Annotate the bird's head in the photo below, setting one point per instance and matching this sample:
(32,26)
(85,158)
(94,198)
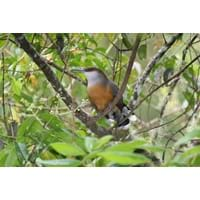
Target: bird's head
(93,74)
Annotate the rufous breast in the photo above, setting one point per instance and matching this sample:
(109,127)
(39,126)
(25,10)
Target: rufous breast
(100,96)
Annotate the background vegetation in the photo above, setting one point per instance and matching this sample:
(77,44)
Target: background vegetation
(45,119)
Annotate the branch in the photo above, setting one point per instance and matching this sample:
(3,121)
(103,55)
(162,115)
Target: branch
(188,46)
(57,86)
(149,67)
(118,48)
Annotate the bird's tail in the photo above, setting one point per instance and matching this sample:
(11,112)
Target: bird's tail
(124,120)
(120,116)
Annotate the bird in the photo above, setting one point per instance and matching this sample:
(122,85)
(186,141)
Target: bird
(101,92)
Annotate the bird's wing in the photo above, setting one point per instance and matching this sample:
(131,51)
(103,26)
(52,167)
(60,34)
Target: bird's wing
(115,90)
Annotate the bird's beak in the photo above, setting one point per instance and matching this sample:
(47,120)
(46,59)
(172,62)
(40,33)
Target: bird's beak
(77,70)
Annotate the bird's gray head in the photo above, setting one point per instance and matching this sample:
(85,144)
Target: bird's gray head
(93,75)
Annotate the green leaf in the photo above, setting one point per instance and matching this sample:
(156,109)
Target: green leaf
(16,86)
(27,97)
(196,161)
(100,49)
(97,62)
(153,149)
(103,122)
(126,40)
(142,51)
(81,133)
(29,125)
(89,143)
(189,96)
(169,62)
(124,158)
(51,121)
(127,146)
(88,62)
(67,149)
(3,156)
(2,43)
(191,152)
(195,133)
(11,159)
(47,155)
(21,151)
(103,141)
(90,39)
(58,163)
(90,156)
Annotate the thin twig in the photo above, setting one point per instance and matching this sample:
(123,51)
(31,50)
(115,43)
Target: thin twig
(188,46)
(118,48)
(3,96)
(66,72)
(163,35)
(161,125)
(59,52)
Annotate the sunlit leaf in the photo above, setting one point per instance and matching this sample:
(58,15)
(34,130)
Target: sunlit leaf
(142,51)
(22,151)
(191,152)
(16,86)
(47,155)
(195,133)
(58,162)
(124,158)
(196,161)
(128,146)
(153,149)
(11,159)
(3,156)
(67,149)
(52,121)
(89,143)
(125,40)
(103,141)
(30,124)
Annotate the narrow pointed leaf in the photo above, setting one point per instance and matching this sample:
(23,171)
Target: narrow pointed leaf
(67,149)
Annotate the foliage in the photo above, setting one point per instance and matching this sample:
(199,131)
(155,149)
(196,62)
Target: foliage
(38,129)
